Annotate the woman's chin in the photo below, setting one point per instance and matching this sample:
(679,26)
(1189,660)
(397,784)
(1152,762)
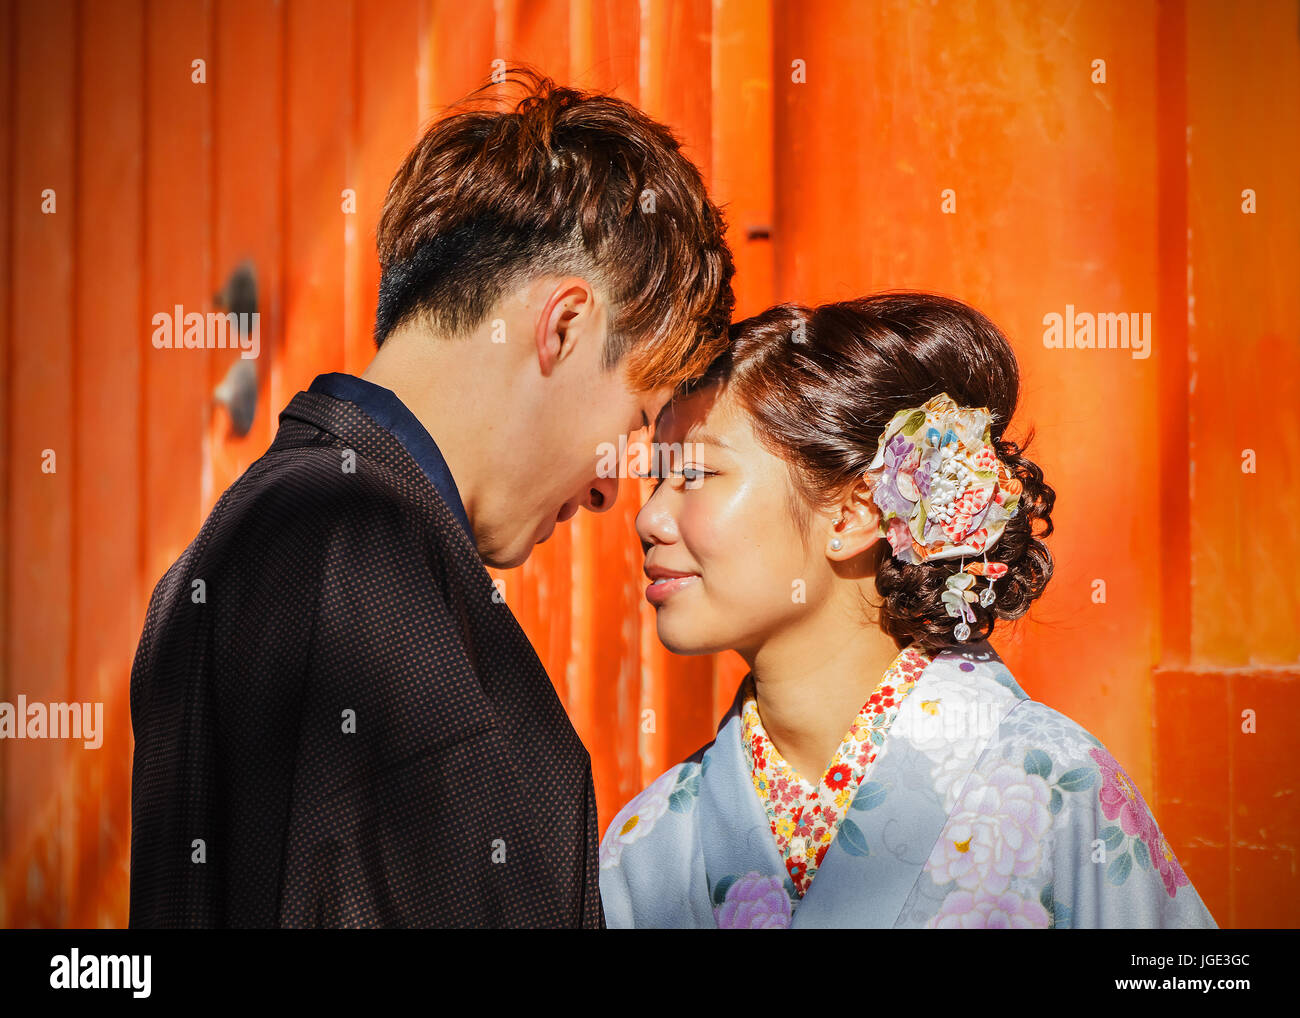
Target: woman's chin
(679,640)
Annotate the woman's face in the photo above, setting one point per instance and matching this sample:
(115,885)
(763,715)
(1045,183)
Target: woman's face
(722,515)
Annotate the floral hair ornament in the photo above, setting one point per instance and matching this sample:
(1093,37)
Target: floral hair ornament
(943,493)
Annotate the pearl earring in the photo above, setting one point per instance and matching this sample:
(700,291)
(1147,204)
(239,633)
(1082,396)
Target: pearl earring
(836,544)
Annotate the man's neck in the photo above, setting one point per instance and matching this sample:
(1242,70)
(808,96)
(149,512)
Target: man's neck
(445,389)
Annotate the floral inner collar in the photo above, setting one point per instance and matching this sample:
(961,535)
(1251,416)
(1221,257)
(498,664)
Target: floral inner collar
(804,818)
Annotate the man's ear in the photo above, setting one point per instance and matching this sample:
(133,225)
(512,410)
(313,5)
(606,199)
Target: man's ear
(856,527)
(566,304)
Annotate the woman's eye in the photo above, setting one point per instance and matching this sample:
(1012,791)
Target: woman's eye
(693,476)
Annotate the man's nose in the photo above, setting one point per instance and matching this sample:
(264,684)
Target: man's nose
(601,495)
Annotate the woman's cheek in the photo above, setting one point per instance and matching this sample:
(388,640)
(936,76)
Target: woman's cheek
(736,523)
(703,530)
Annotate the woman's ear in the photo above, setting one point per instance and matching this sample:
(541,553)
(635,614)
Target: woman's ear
(856,526)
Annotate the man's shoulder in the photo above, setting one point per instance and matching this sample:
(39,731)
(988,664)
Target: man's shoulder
(308,485)
(298,502)
(293,519)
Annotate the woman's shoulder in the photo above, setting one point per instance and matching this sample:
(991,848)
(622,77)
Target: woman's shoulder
(1071,828)
(1031,722)
(674,793)
(1066,756)
(1095,797)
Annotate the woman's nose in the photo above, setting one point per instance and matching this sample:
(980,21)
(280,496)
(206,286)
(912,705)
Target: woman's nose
(655,523)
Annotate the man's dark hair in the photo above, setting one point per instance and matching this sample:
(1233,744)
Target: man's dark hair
(559,180)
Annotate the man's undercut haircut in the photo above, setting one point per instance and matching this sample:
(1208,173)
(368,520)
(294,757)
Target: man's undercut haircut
(557,181)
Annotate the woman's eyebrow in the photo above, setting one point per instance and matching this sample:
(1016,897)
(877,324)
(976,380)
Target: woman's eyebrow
(709,438)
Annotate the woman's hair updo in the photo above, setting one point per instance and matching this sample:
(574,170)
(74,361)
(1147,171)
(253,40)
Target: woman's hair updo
(821,384)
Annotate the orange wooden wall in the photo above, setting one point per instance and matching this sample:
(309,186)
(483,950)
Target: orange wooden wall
(1117,197)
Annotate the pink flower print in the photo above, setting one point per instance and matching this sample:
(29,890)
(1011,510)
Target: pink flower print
(754,902)
(984,910)
(972,502)
(1166,863)
(1120,798)
(995,832)
(985,459)
(895,490)
(899,536)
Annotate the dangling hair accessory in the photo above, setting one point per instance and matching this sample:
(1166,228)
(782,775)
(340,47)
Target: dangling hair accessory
(957,599)
(943,493)
(988,595)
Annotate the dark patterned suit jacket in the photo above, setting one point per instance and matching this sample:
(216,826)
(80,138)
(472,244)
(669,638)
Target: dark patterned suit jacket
(337,723)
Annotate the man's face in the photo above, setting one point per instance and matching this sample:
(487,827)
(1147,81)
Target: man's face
(559,443)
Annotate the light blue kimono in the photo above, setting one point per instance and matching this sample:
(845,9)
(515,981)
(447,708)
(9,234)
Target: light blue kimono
(983,809)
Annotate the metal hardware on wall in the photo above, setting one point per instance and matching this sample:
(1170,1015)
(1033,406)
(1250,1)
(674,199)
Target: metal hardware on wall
(238,390)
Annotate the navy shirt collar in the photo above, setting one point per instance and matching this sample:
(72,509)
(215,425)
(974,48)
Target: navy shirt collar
(385,409)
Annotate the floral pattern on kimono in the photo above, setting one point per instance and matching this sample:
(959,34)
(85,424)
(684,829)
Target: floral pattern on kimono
(805,818)
(982,809)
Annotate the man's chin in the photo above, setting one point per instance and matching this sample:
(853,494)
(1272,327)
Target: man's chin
(505,558)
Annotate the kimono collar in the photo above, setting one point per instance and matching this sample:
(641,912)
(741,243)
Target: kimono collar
(804,812)
(895,816)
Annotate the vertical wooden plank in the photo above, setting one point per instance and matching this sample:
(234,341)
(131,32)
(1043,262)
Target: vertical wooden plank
(111,335)
(8,80)
(461,46)
(247,148)
(1243,92)
(536,32)
(385,127)
(604,666)
(1265,828)
(318,115)
(42,455)
(676,41)
(1173,312)
(178,195)
(1242,230)
(742,179)
(742,183)
(1192,797)
(603,50)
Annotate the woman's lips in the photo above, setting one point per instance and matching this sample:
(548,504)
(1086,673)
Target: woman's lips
(661,590)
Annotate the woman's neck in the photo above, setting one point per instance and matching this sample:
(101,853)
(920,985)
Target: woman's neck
(811,681)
